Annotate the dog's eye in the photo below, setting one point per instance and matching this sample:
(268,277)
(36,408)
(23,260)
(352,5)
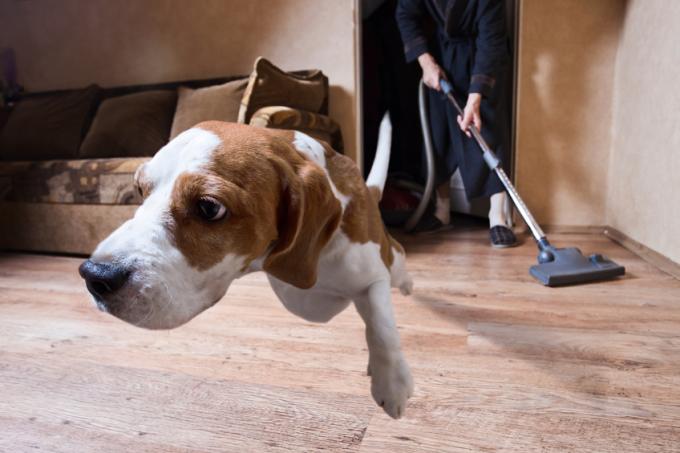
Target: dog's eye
(210,209)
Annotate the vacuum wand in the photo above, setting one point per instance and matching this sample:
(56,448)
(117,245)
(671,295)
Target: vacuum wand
(556,266)
(495,164)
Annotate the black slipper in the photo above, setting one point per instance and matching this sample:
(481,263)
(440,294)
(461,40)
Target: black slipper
(430,223)
(502,237)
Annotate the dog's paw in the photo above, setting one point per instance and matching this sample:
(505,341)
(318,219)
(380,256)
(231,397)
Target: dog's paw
(406,288)
(391,386)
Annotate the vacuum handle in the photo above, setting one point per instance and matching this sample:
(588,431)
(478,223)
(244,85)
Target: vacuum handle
(494,164)
(489,156)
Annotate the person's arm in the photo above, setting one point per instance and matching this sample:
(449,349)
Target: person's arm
(491,46)
(432,72)
(491,53)
(409,18)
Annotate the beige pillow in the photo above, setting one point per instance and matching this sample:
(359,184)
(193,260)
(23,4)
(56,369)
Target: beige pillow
(270,86)
(219,102)
(136,124)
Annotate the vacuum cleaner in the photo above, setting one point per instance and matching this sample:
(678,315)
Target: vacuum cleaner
(556,266)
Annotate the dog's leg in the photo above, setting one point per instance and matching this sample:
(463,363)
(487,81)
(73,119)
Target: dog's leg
(391,382)
(400,277)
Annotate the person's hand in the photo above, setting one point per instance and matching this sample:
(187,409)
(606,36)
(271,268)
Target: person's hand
(471,114)
(432,72)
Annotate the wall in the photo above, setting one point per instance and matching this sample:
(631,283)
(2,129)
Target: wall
(567,54)
(71,43)
(644,173)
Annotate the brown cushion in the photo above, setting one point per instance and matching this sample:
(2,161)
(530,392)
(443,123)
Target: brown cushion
(219,102)
(133,125)
(48,127)
(269,85)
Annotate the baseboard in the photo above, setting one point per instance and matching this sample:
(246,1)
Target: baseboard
(575,229)
(651,256)
(521,227)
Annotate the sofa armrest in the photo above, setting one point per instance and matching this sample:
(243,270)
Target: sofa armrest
(318,126)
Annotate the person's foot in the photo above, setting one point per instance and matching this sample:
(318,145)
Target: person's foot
(502,237)
(430,223)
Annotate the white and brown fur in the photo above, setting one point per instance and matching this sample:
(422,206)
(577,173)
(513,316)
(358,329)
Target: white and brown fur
(297,210)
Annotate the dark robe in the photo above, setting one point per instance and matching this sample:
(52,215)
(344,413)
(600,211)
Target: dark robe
(471,45)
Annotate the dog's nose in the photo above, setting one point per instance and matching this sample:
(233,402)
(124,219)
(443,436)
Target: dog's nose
(103,279)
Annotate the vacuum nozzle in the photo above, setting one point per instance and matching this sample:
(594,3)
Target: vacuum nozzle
(559,267)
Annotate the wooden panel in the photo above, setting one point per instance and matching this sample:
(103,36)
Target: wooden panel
(147,410)
(500,363)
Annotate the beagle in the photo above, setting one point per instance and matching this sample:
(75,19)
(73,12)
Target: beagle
(222,200)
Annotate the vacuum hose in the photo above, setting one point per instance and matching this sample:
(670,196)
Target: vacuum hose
(429,159)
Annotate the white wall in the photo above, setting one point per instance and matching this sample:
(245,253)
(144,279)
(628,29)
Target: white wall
(567,58)
(644,172)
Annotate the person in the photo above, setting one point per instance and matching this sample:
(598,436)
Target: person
(470,49)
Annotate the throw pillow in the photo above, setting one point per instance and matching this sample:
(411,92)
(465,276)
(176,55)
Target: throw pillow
(134,125)
(270,86)
(219,102)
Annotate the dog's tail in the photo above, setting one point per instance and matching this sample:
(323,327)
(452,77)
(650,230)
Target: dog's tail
(376,178)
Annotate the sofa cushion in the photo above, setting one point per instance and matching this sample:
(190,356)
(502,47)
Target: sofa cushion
(219,102)
(48,127)
(268,85)
(91,181)
(131,126)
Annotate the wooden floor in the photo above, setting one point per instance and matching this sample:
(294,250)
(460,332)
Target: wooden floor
(500,364)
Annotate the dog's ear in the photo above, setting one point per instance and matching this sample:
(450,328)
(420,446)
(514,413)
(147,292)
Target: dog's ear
(308,214)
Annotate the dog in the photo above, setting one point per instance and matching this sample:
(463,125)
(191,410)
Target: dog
(222,200)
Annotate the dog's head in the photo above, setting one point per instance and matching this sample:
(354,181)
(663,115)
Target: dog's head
(219,200)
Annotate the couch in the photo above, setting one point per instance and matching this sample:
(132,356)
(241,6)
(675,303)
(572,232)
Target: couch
(68,192)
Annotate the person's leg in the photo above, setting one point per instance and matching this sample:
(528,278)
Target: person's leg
(479,181)
(443,203)
(499,224)
(497,211)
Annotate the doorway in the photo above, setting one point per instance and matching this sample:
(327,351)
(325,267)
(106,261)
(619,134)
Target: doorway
(389,83)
